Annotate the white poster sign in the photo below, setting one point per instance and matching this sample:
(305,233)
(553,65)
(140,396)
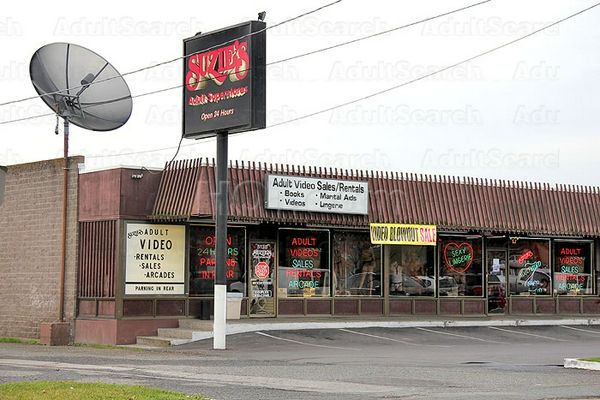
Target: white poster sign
(299,193)
(154,259)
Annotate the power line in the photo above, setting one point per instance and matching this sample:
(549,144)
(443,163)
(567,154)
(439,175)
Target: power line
(389,89)
(26,118)
(135,71)
(299,56)
(466,60)
(323,49)
(335,46)
(341,44)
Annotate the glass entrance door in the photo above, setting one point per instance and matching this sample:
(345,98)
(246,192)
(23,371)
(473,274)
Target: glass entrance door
(496,281)
(261,296)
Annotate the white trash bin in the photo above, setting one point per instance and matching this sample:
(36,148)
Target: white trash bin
(234,305)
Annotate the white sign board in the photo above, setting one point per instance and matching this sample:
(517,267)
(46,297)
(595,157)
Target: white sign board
(154,259)
(314,194)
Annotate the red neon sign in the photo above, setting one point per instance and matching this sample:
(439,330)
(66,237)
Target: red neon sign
(458,256)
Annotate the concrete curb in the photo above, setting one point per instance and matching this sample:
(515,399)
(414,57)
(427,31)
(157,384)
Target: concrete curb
(576,363)
(241,327)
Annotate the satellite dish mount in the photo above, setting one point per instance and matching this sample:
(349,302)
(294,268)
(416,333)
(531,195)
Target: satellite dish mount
(84,89)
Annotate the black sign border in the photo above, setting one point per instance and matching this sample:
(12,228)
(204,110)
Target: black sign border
(258,83)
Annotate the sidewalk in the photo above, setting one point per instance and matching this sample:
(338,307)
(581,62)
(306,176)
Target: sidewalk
(202,329)
(580,364)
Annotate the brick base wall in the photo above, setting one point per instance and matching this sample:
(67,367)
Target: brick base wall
(30,246)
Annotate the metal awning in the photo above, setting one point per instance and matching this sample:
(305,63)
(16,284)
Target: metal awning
(187,191)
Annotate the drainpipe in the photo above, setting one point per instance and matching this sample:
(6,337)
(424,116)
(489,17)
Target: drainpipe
(63,251)
(2,182)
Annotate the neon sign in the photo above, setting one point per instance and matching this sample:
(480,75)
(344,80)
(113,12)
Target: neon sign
(571,264)
(207,258)
(525,256)
(304,255)
(458,257)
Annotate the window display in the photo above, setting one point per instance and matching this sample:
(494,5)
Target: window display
(203,261)
(411,270)
(573,268)
(460,266)
(528,267)
(303,263)
(356,265)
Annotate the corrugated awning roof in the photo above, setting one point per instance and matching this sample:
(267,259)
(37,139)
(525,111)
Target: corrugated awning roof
(187,190)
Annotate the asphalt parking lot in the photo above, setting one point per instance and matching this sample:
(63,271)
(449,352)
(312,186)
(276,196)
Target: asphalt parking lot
(370,363)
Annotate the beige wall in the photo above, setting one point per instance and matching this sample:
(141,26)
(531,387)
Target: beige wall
(30,247)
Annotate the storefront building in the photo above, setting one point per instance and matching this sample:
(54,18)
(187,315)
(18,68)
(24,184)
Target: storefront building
(315,242)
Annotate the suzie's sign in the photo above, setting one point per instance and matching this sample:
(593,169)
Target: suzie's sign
(312,194)
(224,81)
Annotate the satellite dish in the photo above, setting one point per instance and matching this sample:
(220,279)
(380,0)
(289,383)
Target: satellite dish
(80,86)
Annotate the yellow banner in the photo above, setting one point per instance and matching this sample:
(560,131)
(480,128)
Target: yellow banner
(404,234)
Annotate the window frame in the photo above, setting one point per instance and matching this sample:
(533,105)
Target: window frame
(244,269)
(381,272)
(591,245)
(512,241)
(463,236)
(386,249)
(280,294)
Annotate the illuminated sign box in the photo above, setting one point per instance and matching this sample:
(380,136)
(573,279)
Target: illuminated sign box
(421,235)
(297,193)
(154,259)
(225,81)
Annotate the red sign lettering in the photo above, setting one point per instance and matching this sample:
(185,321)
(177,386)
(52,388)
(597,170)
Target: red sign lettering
(309,241)
(217,65)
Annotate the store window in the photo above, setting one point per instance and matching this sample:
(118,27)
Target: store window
(496,242)
(411,271)
(528,267)
(203,261)
(460,266)
(303,263)
(573,268)
(356,265)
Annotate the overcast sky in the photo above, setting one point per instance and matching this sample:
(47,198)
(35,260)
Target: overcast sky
(527,112)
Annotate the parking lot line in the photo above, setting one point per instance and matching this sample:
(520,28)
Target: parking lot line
(306,344)
(580,330)
(460,336)
(389,339)
(527,334)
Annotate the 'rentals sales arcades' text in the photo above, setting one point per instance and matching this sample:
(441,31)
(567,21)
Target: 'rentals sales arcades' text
(225,81)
